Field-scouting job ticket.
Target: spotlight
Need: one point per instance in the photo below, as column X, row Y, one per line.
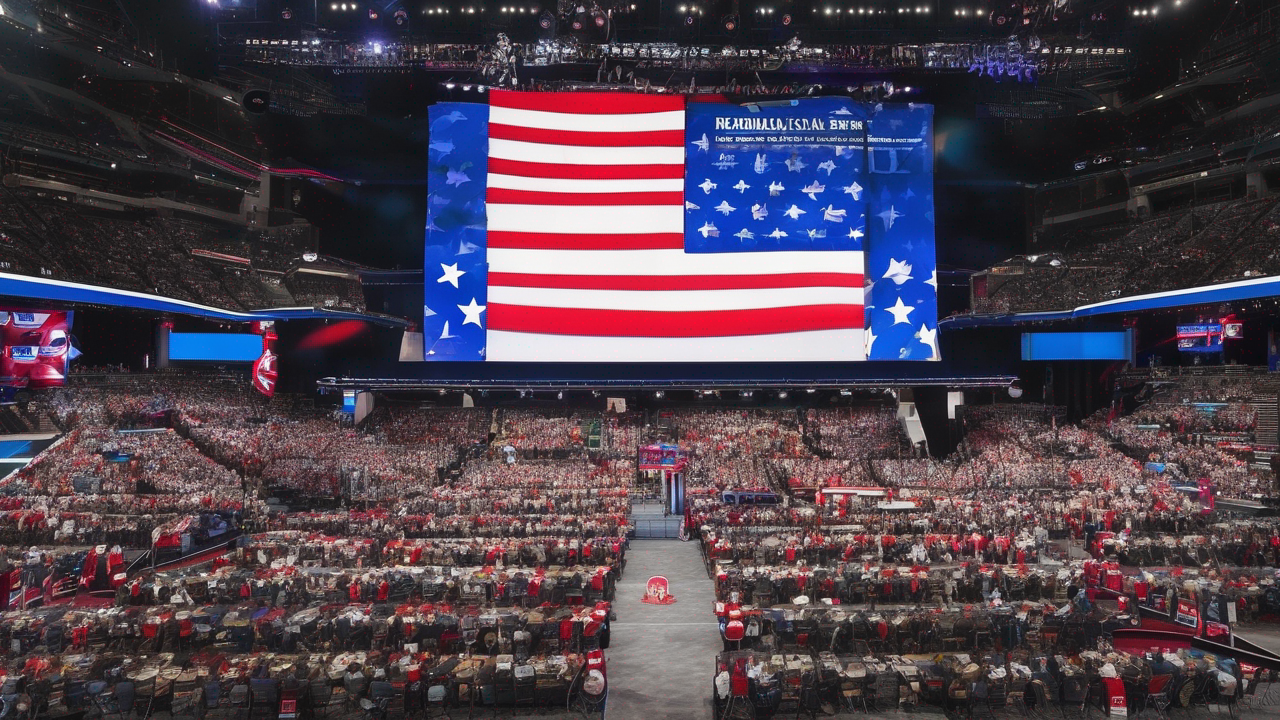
column 659, row 394
column 450, row 86
column 560, row 395
column 782, row 394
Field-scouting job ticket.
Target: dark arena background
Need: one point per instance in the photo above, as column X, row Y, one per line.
column 639, row 359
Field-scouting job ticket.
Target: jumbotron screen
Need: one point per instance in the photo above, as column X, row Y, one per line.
column 615, row 227
column 36, row 350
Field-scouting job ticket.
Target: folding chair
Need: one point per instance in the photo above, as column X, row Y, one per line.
column 1158, row 693
column 1075, row 693
column 739, row 704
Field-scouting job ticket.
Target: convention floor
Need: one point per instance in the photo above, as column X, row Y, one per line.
column 661, row 657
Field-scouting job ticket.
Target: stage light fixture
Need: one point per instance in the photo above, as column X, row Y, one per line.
column 659, row 394
column 560, row 395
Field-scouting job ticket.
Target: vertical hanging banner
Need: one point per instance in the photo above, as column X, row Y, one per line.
column 902, row 282
column 455, row 269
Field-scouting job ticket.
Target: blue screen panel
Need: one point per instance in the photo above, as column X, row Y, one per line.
column 14, row 448
column 215, row 347
column 1078, row 346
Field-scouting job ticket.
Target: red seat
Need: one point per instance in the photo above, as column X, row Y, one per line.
column 734, row 630
column 1158, row 693
column 738, row 681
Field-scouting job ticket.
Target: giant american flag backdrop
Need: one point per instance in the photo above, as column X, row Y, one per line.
column 617, row 227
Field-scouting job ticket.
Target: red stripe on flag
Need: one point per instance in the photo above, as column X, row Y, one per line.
column 673, row 282
column 649, row 138
column 646, row 323
column 586, row 103
column 594, row 241
column 558, row 171
column 504, row 196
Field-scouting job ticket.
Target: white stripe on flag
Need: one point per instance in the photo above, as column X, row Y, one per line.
column 675, row 300
column 670, row 262
column 620, row 123
column 583, row 154
column 585, row 219
column 517, row 182
column 812, row 346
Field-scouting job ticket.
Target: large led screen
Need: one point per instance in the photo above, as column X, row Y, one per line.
column 613, row 227
column 37, row 348
column 215, row 347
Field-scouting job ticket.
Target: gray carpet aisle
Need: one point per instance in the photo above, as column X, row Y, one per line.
column 661, row 656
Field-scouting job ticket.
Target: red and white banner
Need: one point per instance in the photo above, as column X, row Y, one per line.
column 265, row 373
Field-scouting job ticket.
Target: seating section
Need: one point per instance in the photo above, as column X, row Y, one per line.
column 1210, row 244
column 182, row 259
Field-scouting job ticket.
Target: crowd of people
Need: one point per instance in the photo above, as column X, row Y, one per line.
column 1214, row 243
column 513, row 508
column 160, row 256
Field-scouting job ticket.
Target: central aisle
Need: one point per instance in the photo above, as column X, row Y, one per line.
column 661, row 656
